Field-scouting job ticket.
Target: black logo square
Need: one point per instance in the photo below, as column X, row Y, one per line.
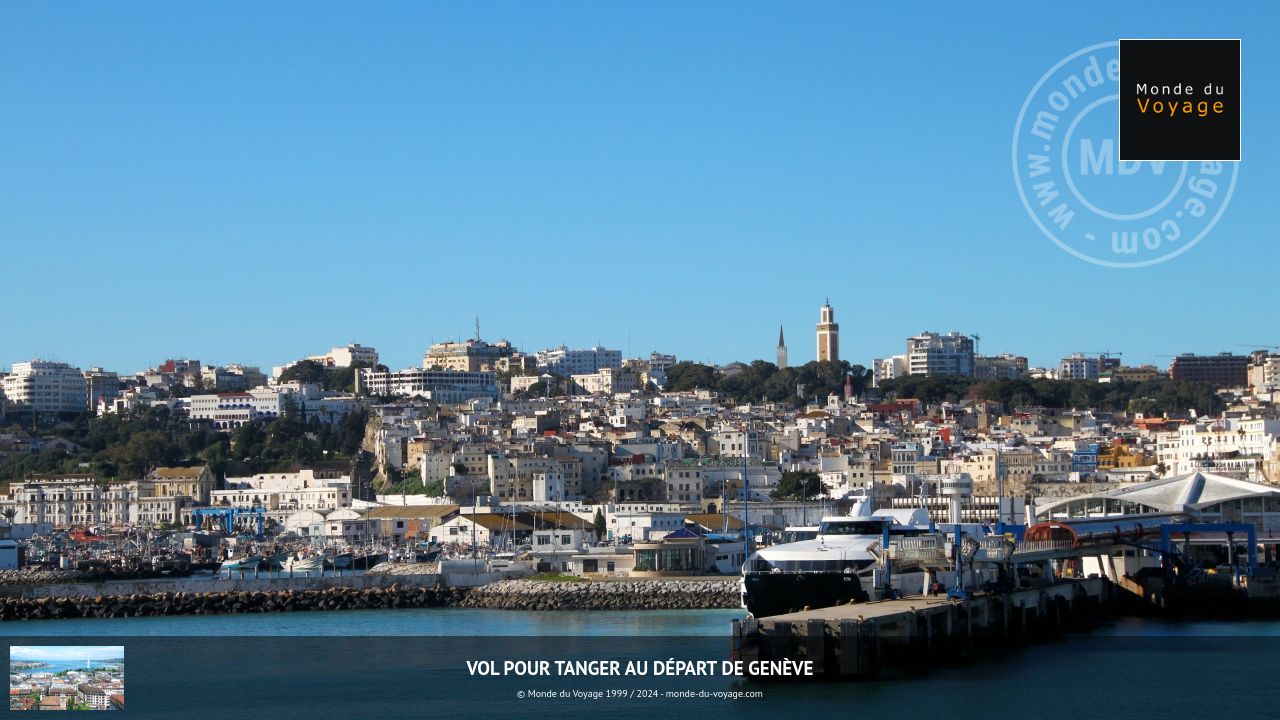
column 1179, row 100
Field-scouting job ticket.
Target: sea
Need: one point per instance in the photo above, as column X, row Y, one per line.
column 419, row 662
column 54, row 666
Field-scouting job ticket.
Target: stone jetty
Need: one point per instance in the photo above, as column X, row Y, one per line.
column 35, row 576
column 667, row 594
column 690, row 594
column 211, row 603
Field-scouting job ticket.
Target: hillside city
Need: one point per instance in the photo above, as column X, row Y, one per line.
column 39, row 686
column 566, row 450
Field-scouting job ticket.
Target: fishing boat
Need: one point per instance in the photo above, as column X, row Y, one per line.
column 302, row 563
column 366, row 560
column 246, row 564
column 340, row 561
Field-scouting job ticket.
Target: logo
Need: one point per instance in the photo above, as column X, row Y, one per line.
column 1107, row 211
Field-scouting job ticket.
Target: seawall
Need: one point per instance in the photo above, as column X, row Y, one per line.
column 683, row 594
column 186, row 596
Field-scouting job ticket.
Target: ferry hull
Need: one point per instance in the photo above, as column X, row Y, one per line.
column 769, row 593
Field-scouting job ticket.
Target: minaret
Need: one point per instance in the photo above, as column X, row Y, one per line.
column 782, row 350
column 828, row 335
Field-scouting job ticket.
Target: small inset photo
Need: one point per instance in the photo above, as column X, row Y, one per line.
column 66, row 677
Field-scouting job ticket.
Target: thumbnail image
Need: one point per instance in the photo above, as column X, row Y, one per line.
column 66, row 677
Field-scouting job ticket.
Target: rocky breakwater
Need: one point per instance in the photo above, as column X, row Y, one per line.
column 36, row 576
column 210, row 603
column 690, row 594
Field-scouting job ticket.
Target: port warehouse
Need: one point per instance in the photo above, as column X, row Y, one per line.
column 1199, row 544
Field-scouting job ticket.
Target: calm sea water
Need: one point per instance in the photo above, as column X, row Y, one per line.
column 428, row 622
column 405, row 663
column 57, row 667
column 423, row 622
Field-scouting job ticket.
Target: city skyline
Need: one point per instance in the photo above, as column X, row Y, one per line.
column 384, row 179
column 1161, row 361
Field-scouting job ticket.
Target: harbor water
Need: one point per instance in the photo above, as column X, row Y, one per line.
column 410, row 663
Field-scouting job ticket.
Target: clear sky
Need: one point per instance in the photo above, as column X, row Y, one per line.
column 254, row 182
column 65, row 653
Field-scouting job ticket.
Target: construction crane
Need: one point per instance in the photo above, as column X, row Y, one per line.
column 1259, row 346
column 1100, row 353
column 977, row 340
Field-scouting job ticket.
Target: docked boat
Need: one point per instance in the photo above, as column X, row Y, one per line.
column 302, row 563
column 830, row 568
column 366, row 560
column 340, row 561
column 246, row 564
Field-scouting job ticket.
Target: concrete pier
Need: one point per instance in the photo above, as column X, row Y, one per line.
column 860, row 640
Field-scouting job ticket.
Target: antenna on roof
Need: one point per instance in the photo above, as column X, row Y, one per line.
column 477, row 328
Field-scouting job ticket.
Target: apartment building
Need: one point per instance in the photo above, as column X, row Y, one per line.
column 930, row 353
column 564, row 361
column 46, row 386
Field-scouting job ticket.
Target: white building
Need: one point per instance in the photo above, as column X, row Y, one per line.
column 302, row 490
column 605, row 381
column 1227, row 446
column 348, row 355
column 889, row 368
column 69, row 500
column 564, row 361
column 444, row 386
column 548, row 486
column 45, row 386
column 230, row 410
column 1077, row 366
column 638, row 524
column 1264, row 372
column 932, row 354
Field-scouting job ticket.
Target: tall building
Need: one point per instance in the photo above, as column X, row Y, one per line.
column 1221, row 370
column 564, row 361
column 1078, row 366
column 782, row 350
column 999, row 367
column 1264, row 371
column 101, row 385
column 468, row 356
column 932, row 354
column 45, row 386
column 828, row 335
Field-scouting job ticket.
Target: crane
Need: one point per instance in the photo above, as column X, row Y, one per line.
column 1101, row 353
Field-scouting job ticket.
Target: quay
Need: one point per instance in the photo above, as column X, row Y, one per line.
column 860, row 640
column 1062, row 574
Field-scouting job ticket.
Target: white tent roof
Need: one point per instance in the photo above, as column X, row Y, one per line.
column 1177, row 494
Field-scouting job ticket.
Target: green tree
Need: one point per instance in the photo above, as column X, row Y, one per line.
column 601, row 527
column 799, row 485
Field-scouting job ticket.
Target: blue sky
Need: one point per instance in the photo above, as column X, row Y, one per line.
column 246, row 182
column 65, row 653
